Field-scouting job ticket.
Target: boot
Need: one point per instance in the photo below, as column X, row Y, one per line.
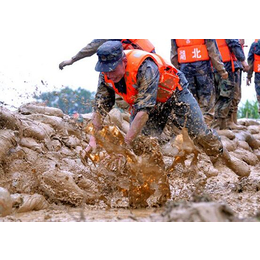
column 231, row 124
column 234, row 117
column 239, row 167
column 219, row 124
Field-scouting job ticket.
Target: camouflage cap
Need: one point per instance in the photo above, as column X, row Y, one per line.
column 109, row 54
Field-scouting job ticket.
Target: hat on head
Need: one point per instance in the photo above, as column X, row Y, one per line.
column 110, row 54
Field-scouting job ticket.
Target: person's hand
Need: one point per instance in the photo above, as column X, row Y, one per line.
column 224, row 75
column 92, row 145
column 245, row 66
column 248, row 81
column 65, row 63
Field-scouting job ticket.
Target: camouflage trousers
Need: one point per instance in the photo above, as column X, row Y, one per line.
column 257, row 83
column 237, row 93
column 202, row 88
column 226, row 92
column 182, row 110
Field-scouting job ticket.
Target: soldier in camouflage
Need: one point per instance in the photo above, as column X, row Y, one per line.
column 226, row 101
column 148, row 115
column 238, row 91
column 254, row 50
column 200, row 76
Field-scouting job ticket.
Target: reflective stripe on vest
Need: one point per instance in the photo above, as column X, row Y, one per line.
column 226, row 54
column 191, row 50
column 168, row 77
column 141, row 44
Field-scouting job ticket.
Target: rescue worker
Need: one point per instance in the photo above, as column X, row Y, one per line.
column 253, row 60
column 238, row 91
column 194, row 58
column 233, row 57
column 153, row 89
column 91, row 48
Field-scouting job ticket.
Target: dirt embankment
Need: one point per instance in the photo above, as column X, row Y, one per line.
column 45, row 175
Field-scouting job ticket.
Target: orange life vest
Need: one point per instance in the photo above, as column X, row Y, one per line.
column 256, row 61
column 141, row 44
column 191, row 50
column 168, row 77
column 226, row 54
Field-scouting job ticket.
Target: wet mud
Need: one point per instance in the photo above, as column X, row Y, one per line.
column 45, row 175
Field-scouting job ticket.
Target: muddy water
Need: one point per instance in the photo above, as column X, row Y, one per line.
column 88, row 213
column 44, row 175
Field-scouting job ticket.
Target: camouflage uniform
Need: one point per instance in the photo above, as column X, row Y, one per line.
column 182, row 104
column 227, row 91
column 254, row 49
column 200, row 76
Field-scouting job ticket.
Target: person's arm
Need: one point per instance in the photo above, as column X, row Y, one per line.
column 104, row 101
column 87, row 51
column 250, row 61
column 136, row 126
column 215, row 57
column 174, row 54
column 236, row 48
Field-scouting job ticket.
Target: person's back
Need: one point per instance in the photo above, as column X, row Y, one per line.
column 194, row 59
column 225, row 108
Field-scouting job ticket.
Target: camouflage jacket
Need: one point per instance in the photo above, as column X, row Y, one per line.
column 236, row 48
column 194, row 67
column 91, row 49
column 147, row 86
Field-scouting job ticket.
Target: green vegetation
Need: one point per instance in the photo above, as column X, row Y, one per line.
column 249, row 110
column 68, row 100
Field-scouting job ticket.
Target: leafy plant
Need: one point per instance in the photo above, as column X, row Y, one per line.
column 68, row 100
column 249, row 110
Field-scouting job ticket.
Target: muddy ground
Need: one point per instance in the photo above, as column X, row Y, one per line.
column 45, row 176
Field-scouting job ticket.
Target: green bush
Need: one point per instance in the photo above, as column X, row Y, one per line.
column 68, row 100
column 249, row 110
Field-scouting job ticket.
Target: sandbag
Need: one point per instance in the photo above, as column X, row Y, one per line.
column 5, row 202
column 59, row 185
column 9, row 120
column 28, row 109
column 230, row 145
column 27, row 202
column 246, row 156
column 54, row 121
column 228, row 133
column 36, row 130
column 7, row 141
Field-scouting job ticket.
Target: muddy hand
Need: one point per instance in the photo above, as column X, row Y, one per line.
column 224, row 76
column 65, row 63
column 92, row 146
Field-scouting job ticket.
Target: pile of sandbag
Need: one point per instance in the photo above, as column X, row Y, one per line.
column 41, row 158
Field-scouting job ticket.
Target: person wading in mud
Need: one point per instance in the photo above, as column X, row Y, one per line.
column 153, row 89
